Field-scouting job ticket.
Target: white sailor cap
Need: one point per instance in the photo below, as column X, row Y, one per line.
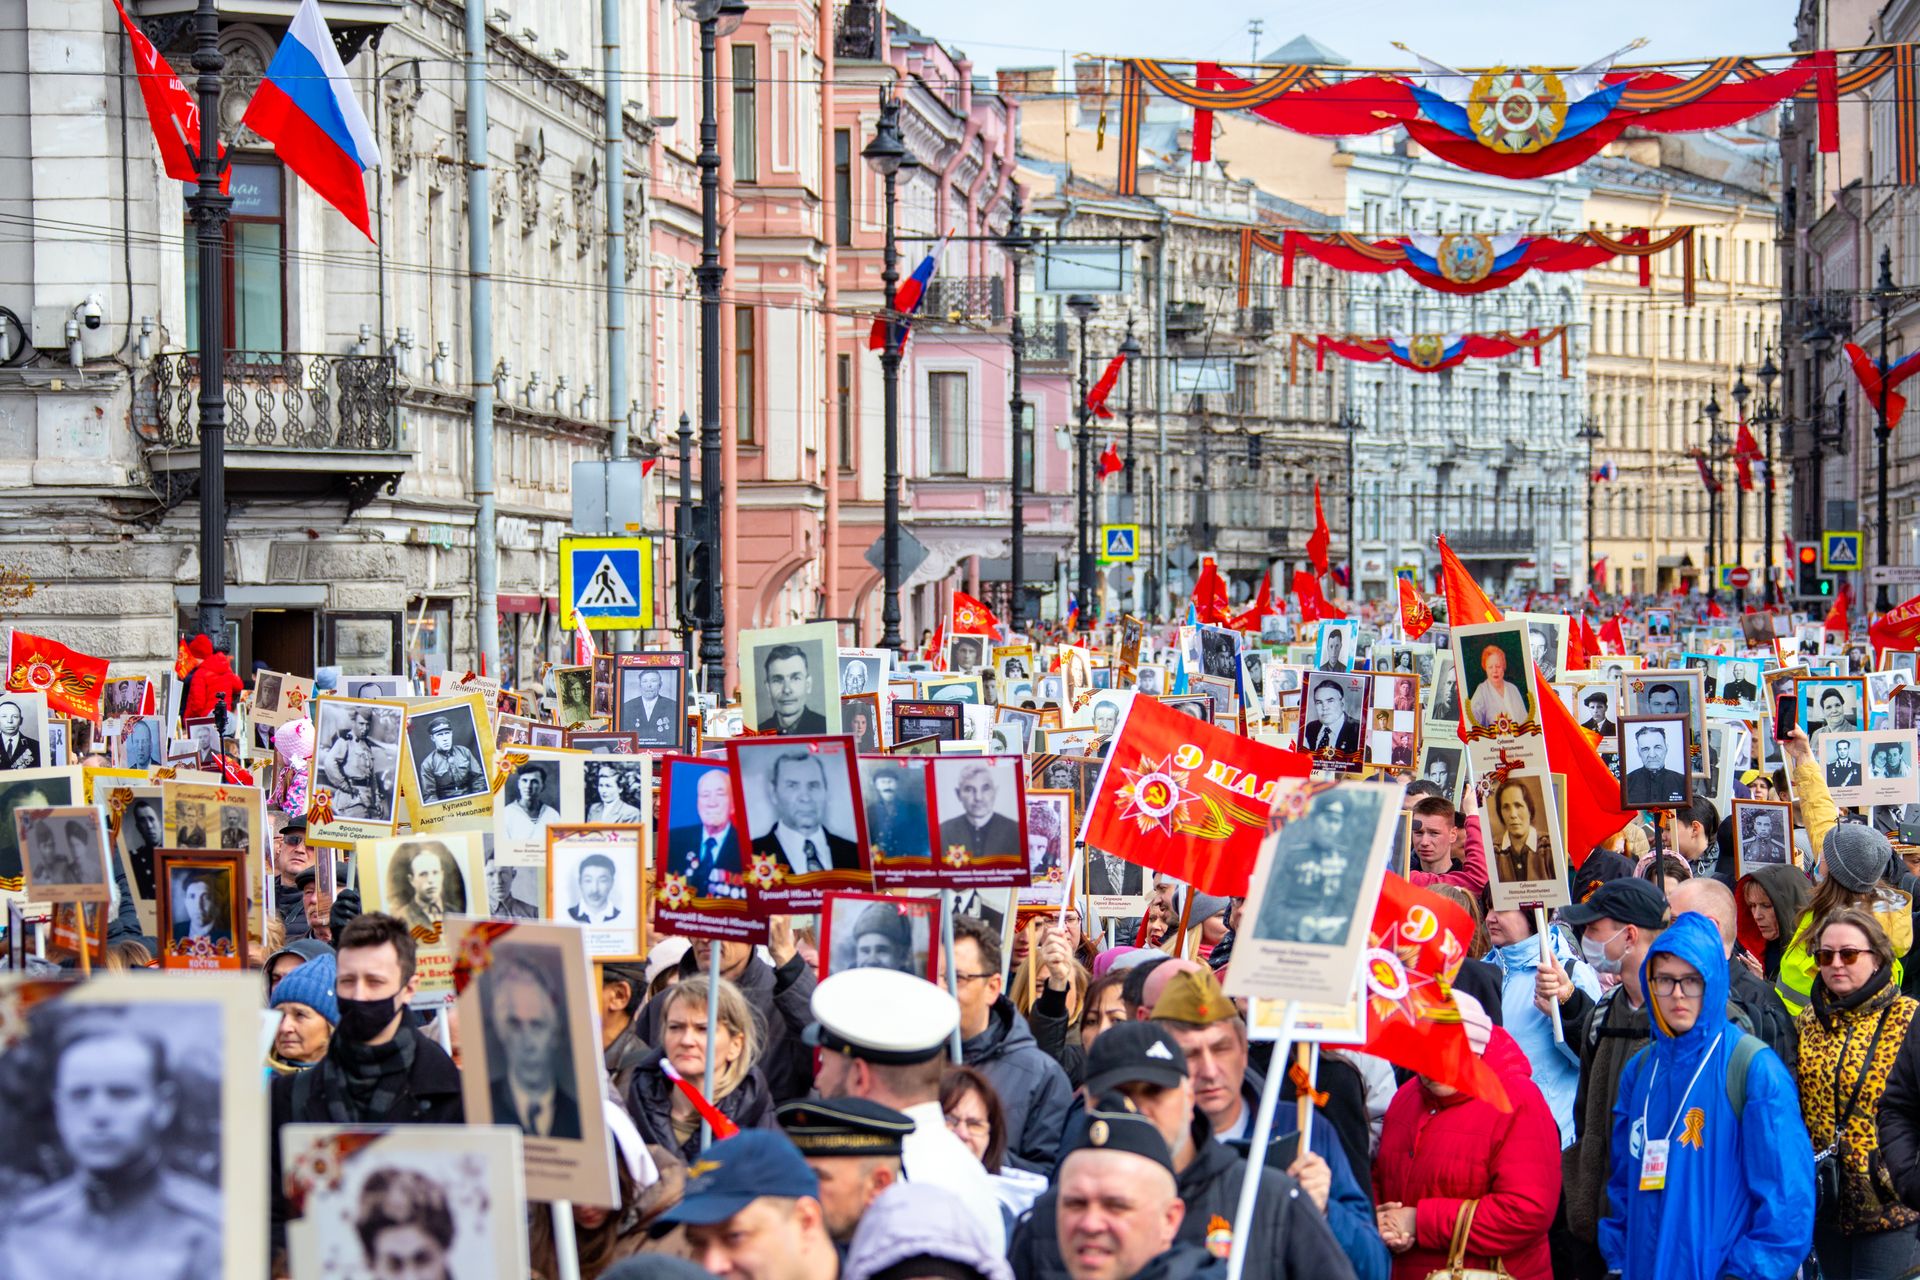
column 883, row 1016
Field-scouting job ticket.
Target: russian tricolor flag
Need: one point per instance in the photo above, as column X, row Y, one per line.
column 305, row 107
column 907, row 298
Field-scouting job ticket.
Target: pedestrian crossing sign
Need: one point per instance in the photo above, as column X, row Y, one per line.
column 607, row 583
column 1119, row 543
column 1840, row 551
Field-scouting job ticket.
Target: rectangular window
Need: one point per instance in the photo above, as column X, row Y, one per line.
column 947, row 423
column 843, row 409
column 746, row 122
column 743, row 370
column 255, row 264
column 842, row 187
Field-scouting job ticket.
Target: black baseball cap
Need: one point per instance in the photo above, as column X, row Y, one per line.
column 1134, row 1051
column 1628, row 900
column 1114, row 1125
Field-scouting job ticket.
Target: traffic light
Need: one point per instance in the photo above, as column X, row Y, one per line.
column 1811, row 583
column 698, row 572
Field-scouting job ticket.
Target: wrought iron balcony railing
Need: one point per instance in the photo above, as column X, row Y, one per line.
column 283, row 400
column 1046, row 343
column 966, row 300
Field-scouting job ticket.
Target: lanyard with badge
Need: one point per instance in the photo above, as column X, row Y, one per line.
column 1653, row 1154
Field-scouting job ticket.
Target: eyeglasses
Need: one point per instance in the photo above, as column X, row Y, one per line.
column 1667, row 984
column 974, row 977
column 1827, row 956
column 966, row 1124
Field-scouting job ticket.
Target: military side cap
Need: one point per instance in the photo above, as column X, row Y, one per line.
column 440, row 723
column 732, row 1174
column 882, row 1016
column 1196, row 998
column 1130, row 1052
column 1113, row 1125
column 844, row 1127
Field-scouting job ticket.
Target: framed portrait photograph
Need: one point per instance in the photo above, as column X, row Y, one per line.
column 1220, row 695
column 528, row 801
column 916, row 718
column 1736, row 684
column 1831, row 705
column 1393, row 721
column 1493, row 664
column 202, row 908
column 1050, row 835
column 1546, row 641
column 448, row 762
column 799, row 802
column 279, row 697
column 700, row 884
column 384, row 686
column 879, row 931
column 139, row 836
column 863, row 670
column 23, row 731
column 1219, row 653
column 1443, row 695
column 573, row 694
column 603, row 683
column 65, row 849
column 1334, row 644
column 1871, row 768
column 1762, row 835
column 175, row 1060
column 383, row 1201
column 787, row 679
column 602, row 742
column 123, row 696
column 1313, row 888
column 979, row 815
column 142, row 743
column 1013, row 665
column 966, row 653
column 1444, row 765
column 595, row 880
column 1075, row 742
column 535, row 1064
column 1197, row 705
column 422, row 880
column 967, row 690
column 603, row 790
column 1594, row 707
column 1151, row 679
column 1050, row 690
column 860, row 714
column 1010, row 733
column 651, row 698
column 1662, row 691
column 1653, row 758
column 894, row 791
column 1332, row 723
column 1526, row 860
column 353, row 783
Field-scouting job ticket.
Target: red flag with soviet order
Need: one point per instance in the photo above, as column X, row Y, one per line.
column 73, row 682
column 1183, row 797
column 1611, row 632
column 1415, row 618
column 1416, row 945
column 171, row 111
column 1317, row 540
column 1897, row 628
column 971, row 617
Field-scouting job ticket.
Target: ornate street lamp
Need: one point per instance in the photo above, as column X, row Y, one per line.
column 888, row 155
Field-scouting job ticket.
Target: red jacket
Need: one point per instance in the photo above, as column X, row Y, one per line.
column 211, row 679
column 1437, row 1153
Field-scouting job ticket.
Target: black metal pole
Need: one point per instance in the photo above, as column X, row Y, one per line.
column 1883, row 302
column 688, row 623
column 1591, row 434
column 1129, row 373
column 1353, row 429
column 709, row 274
column 209, row 209
column 1740, row 535
column 1773, row 588
column 1084, row 440
column 1713, row 514
column 890, row 374
column 1017, row 432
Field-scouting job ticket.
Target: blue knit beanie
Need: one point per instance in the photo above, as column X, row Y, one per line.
column 312, row 985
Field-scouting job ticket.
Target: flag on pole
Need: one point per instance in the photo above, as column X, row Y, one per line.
column 907, row 298
column 1604, row 472
column 1110, row 461
column 1613, row 634
column 1210, row 594
column 972, row 618
column 1746, row 455
column 1097, row 397
column 1876, row 382
column 1317, row 540
column 1897, row 628
column 583, row 647
column 1248, row 619
column 1705, row 467
column 1314, row 605
column 72, row 681
column 171, row 111
column 1416, row 619
column 305, row 107
column 1837, row 619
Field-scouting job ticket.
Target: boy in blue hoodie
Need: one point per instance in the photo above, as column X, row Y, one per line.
column 1712, row 1169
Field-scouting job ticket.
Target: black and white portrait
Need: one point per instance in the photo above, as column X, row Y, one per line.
column 390, row 686
column 1334, row 646
column 978, row 806
column 1330, row 724
column 357, row 758
column 1319, row 868
column 703, row 844
column 1653, row 757
column 1049, row 844
column 616, row 791
column 869, row 931
column 513, row 893
column 573, row 693
column 799, row 804
column 1111, row 876
column 1593, row 708
column 593, row 879
column 141, row 833
column 1219, row 653
column 46, row 789
column 1007, row 736
column 422, row 881
column 1739, row 682
column 788, row 676
column 446, row 753
column 1520, row 836
column 530, row 800
column 202, row 901
column 127, row 695
column 1890, row 760
column 898, row 819
column 1050, row 690
column 1440, row 765
column 1840, row 754
column 965, row 653
column 529, row 1044
column 650, row 702
column 860, row 717
column 66, row 853
column 1547, row 644
column 142, row 742
column 1150, row 680
column 863, row 670
column 1763, row 830
column 23, row 730
column 1830, row 706
column 1444, row 694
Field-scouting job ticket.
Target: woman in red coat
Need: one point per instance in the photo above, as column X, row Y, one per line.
column 1440, row 1148
column 213, row 679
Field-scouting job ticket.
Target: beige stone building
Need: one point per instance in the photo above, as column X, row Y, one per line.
column 1654, row 364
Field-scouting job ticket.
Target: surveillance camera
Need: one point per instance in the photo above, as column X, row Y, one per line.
column 92, row 311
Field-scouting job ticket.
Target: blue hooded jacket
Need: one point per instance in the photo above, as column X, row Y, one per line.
column 1739, row 1189
column 1556, row 1066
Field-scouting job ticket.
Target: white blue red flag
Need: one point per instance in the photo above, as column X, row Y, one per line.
column 306, row 109
column 907, row 297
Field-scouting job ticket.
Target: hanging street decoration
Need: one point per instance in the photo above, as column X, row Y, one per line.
column 1878, row 382
column 1432, row 352
column 1518, row 122
column 1471, row 262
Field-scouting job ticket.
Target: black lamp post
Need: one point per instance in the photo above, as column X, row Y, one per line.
column 209, row 210
column 689, row 623
column 1350, row 423
column 1885, row 295
column 1715, row 444
column 1131, row 350
column 716, row 18
column 1819, row 341
column 1589, row 433
column 888, row 155
column 1769, row 418
column 1016, row 243
column 1741, row 391
column 1083, row 306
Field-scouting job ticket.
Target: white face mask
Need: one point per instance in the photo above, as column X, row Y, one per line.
column 1595, row 953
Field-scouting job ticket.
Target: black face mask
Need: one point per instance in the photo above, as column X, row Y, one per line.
column 362, row 1020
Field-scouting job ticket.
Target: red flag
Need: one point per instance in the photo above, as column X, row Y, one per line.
column 1314, row 605
column 1317, row 540
column 971, row 617
column 1612, row 634
column 1897, row 628
column 1589, row 642
column 1110, row 461
column 171, row 111
column 1576, row 645
column 1248, row 619
column 583, row 646
column 1466, row 602
column 1707, row 478
column 1417, row 943
column 1185, row 798
column 936, row 646
column 1416, row 619
column 1842, row 604
column 1713, row 608
column 647, row 465
column 1210, row 595
column 722, row 1127
column 1875, row 383
column 1745, row 450
column 1097, row 397
column 72, row 681
column 1597, row 575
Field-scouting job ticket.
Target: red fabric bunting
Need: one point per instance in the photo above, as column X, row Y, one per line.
column 1318, row 540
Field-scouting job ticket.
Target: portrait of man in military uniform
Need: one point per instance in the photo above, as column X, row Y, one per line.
column 650, row 705
column 446, row 756
column 425, row 882
column 132, row 1157
column 1319, row 865
column 358, row 758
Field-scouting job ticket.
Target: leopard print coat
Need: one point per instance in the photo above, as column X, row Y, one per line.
column 1833, row 1053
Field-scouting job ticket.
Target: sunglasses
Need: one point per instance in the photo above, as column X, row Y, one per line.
column 1826, row 956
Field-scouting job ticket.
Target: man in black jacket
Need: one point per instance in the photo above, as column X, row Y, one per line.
column 1897, row 1119
column 1143, row 1063
column 1033, row 1088
column 378, row 1069
column 782, row 992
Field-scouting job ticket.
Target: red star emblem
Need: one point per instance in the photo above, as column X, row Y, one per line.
column 1155, row 795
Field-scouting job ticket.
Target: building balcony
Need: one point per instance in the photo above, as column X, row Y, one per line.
column 965, row 300
column 1046, row 346
column 856, row 33
column 298, row 425
column 1491, row 542
column 1184, row 318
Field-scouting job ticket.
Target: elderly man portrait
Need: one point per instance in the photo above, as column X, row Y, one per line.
column 530, row 1081
column 797, row 794
column 979, row 831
